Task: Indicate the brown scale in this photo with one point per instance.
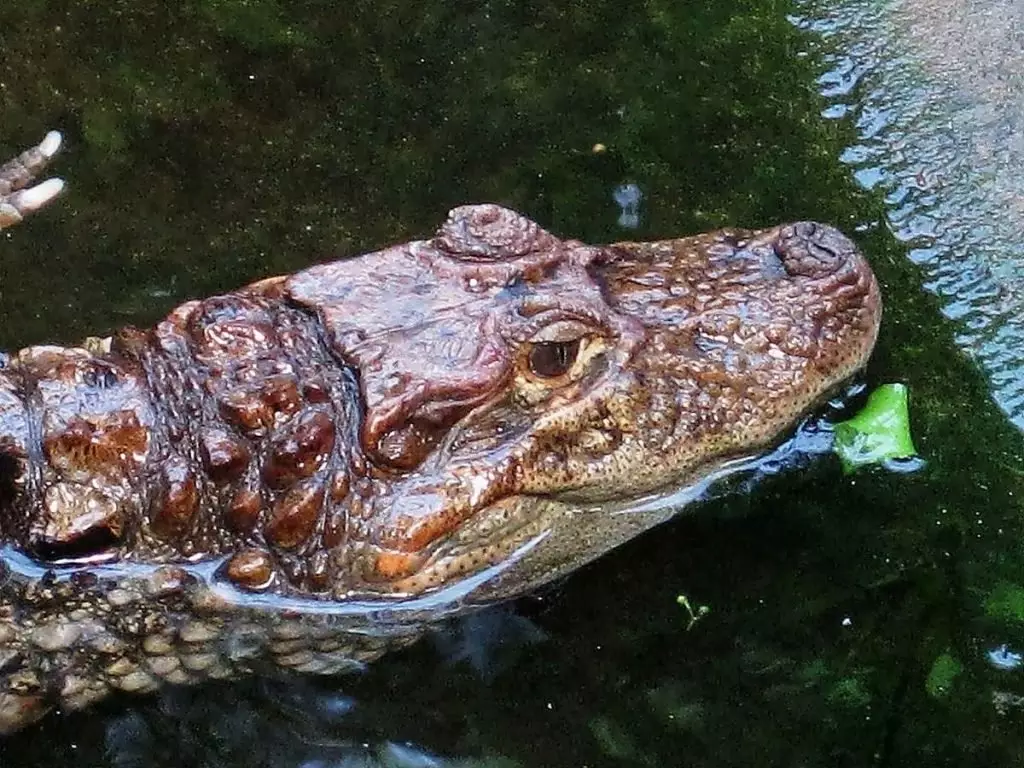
(224, 455)
(197, 436)
(93, 421)
(251, 569)
(295, 514)
(247, 411)
(264, 446)
(178, 500)
(243, 512)
(300, 449)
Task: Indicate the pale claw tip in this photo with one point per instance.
(36, 197)
(51, 144)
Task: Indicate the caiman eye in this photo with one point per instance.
(551, 359)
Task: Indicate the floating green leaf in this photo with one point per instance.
(879, 432)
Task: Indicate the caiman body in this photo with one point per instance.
(310, 470)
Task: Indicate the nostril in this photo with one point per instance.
(812, 250)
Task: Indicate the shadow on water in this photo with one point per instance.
(852, 619)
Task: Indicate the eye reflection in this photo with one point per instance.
(550, 359)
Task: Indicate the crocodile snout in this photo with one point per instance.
(812, 250)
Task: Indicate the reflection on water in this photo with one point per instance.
(273, 725)
(628, 197)
(1004, 658)
(936, 90)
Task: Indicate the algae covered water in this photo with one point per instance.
(870, 619)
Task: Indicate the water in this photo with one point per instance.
(870, 620)
(936, 92)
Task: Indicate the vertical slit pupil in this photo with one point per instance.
(549, 359)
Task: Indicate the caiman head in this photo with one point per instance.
(505, 405)
(311, 468)
(522, 394)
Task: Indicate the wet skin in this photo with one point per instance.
(311, 470)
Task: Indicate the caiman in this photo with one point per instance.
(315, 468)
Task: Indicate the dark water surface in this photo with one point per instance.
(865, 621)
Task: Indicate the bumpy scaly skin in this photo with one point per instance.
(310, 470)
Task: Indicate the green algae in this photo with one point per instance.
(945, 669)
(1006, 602)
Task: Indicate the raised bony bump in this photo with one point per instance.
(491, 233)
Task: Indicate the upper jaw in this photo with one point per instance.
(657, 369)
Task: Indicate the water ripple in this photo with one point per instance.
(939, 133)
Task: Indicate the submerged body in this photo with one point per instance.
(310, 470)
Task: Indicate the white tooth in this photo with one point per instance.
(49, 145)
(36, 197)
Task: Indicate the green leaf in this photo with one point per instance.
(879, 432)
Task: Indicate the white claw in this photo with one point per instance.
(50, 145)
(34, 198)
